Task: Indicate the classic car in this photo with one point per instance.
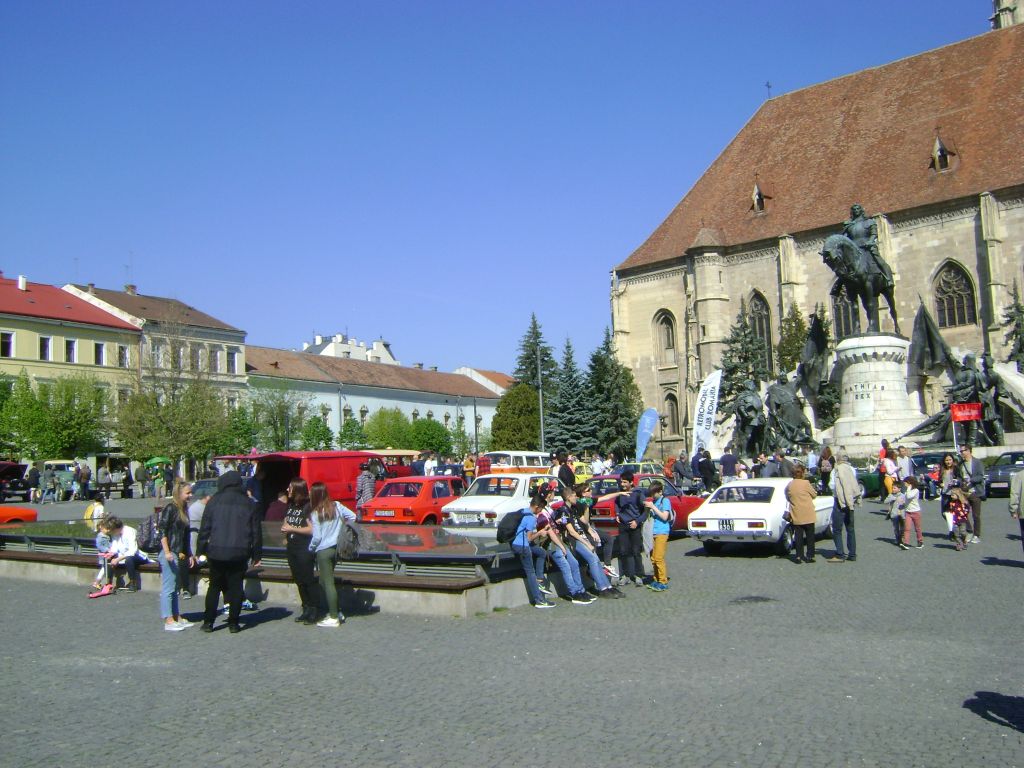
(870, 482)
(999, 474)
(752, 511)
(17, 515)
(12, 481)
(603, 513)
(415, 500)
(491, 497)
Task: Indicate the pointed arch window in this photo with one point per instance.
(844, 313)
(665, 337)
(761, 322)
(954, 298)
(671, 414)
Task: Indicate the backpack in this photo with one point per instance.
(509, 526)
(348, 541)
(149, 534)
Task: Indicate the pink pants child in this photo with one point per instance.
(912, 518)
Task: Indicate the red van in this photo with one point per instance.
(337, 469)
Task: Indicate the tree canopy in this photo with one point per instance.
(316, 435)
(430, 435)
(59, 419)
(792, 337)
(388, 428)
(516, 423)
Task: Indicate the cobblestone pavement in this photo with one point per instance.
(902, 658)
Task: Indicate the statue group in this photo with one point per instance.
(777, 422)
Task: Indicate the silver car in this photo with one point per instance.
(997, 476)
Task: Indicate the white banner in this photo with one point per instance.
(704, 413)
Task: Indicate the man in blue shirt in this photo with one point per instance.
(530, 555)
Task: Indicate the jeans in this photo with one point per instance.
(594, 564)
(631, 542)
(532, 559)
(300, 561)
(570, 570)
(658, 558)
(225, 577)
(912, 518)
(1021, 521)
(840, 518)
(131, 566)
(804, 541)
(170, 583)
(326, 559)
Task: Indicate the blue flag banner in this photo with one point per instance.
(644, 430)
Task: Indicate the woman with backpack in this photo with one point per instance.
(298, 532)
(326, 517)
(175, 555)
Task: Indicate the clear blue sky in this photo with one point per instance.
(429, 172)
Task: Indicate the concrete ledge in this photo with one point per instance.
(359, 592)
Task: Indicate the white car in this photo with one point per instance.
(751, 511)
(491, 497)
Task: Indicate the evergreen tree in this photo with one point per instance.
(531, 346)
(743, 359)
(792, 337)
(351, 436)
(614, 401)
(569, 424)
(316, 435)
(516, 423)
(1013, 317)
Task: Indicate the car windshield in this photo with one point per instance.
(603, 486)
(406, 490)
(494, 486)
(1010, 458)
(760, 494)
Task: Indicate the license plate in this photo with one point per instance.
(726, 525)
(999, 485)
(385, 513)
(470, 518)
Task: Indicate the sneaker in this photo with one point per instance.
(639, 581)
(545, 590)
(920, 545)
(959, 546)
(657, 586)
(248, 605)
(975, 540)
(206, 627)
(185, 623)
(583, 598)
(836, 559)
(607, 593)
(173, 627)
(133, 588)
(611, 572)
(329, 622)
(544, 604)
(851, 558)
(622, 582)
(234, 628)
(903, 546)
(186, 595)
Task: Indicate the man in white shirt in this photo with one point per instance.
(124, 546)
(597, 465)
(904, 466)
(430, 465)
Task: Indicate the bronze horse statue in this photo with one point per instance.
(861, 277)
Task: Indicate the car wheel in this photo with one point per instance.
(863, 490)
(785, 542)
(712, 547)
(429, 520)
(15, 521)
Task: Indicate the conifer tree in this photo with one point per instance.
(1014, 339)
(792, 337)
(568, 424)
(743, 359)
(614, 401)
(531, 346)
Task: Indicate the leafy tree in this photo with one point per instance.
(316, 435)
(189, 421)
(462, 441)
(74, 416)
(569, 425)
(280, 414)
(388, 428)
(1013, 317)
(614, 399)
(792, 337)
(532, 346)
(350, 436)
(241, 433)
(743, 359)
(430, 435)
(516, 423)
(24, 417)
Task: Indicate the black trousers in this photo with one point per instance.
(301, 561)
(225, 578)
(804, 541)
(631, 548)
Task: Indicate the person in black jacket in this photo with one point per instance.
(229, 536)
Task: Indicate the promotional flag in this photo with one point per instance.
(644, 430)
(704, 412)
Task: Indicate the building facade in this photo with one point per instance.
(929, 146)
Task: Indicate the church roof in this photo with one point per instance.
(867, 137)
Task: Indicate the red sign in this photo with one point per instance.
(965, 411)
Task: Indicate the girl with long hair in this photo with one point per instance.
(298, 532)
(326, 518)
(176, 554)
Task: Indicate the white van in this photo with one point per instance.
(519, 461)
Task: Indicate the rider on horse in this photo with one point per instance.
(864, 232)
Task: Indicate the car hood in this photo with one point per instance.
(484, 504)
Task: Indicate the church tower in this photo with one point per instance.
(1006, 13)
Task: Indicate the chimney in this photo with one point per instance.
(92, 288)
(305, 346)
(130, 289)
(318, 339)
(418, 366)
(22, 283)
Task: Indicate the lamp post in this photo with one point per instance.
(540, 397)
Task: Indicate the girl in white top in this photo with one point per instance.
(911, 513)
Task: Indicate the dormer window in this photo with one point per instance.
(759, 199)
(942, 157)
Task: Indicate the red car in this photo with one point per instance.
(415, 500)
(603, 513)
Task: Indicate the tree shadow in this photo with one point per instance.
(998, 708)
(990, 560)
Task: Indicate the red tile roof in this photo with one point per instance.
(53, 303)
(503, 380)
(157, 308)
(867, 138)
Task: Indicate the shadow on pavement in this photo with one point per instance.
(998, 708)
(747, 551)
(1002, 561)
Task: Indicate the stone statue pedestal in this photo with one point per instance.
(875, 401)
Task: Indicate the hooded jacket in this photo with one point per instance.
(230, 529)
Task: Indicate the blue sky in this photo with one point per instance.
(429, 172)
